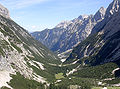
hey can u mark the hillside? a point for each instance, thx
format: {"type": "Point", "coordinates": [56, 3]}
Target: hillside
{"type": "Point", "coordinates": [102, 44]}
{"type": "Point", "coordinates": [101, 48]}
{"type": "Point", "coordinates": [21, 56]}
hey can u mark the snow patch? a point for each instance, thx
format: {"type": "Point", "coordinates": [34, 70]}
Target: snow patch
{"type": "Point", "coordinates": [63, 56]}
{"type": "Point", "coordinates": [40, 65]}
{"type": "Point", "coordinates": [4, 78]}
{"type": "Point", "coordinates": [113, 72]}
{"type": "Point", "coordinates": [99, 83]}
{"type": "Point", "coordinates": [105, 88]}
{"type": "Point", "coordinates": [47, 36]}
{"type": "Point", "coordinates": [36, 51]}
{"type": "Point", "coordinates": [58, 81]}
{"type": "Point", "coordinates": [63, 60]}
{"type": "Point", "coordinates": [72, 71]}
{"type": "Point", "coordinates": [39, 78]}
{"type": "Point", "coordinates": [32, 64]}
{"type": "Point", "coordinates": [85, 53]}
{"type": "Point", "coordinates": [117, 85]}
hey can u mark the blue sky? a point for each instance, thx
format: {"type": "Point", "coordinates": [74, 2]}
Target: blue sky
{"type": "Point", "coordinates": [36, 15]}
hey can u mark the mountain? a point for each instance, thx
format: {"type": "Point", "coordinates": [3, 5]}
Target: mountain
{"type": "Point", "coordinates": [113, 8]}
{"type": "Point", "coordinates": [50, 37]}
{"type": "Point", "coordinates": [67, 34]}
{"type": "Point", "coordinates": [77, 32]}
{"type": "Point", "coordinates": [98, 56]}
{"type": "Point", "coordinates": [103, 44]}
{"type": "Point", "coordinates": [24, 61]}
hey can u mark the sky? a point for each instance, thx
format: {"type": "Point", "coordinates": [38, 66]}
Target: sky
{"type": "Point", "coordinates": [37, 15]}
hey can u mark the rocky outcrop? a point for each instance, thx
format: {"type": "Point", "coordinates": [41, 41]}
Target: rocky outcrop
{"type": "Point", "coordinates": [4, 11]}
{"type": "Point", "coordinates": [63, 24]}
{"type": "Point", "coordinates": [100, 14]}
{"type": "Point", "coordinates": [111, 10]}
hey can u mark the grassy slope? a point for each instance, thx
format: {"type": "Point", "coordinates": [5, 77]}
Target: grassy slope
{"type": "Point", "coordinates": [90, 76]}
{"type": "Point", "coordinates": [59, 76]}
{"type": "Point", "coordinates": [97, 72]}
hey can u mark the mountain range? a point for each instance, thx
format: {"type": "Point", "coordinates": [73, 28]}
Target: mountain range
{"type": "Point", "coordinates": [68, 34]}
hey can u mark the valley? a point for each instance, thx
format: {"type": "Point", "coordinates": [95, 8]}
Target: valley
{"type": "Point", "coordinates": [83, 53]}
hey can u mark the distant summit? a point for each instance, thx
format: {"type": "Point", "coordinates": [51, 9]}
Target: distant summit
{"type": "Point", "coordinates": [63, 24]}
{"type": "Point", "coordinates": [82, 17]}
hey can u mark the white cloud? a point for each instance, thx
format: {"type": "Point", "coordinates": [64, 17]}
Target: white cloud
{"type": "Point", "coordinates": [17, 4]}
{"type": "Point", "coordinates": [34, 27]}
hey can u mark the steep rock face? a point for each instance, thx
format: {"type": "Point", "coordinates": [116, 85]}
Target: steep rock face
{"type": "Point", "coordinates": [102, 45]}
{"type": "Point", "coordinates": [21, 53]}
{"type": "Point", "coordinates": [48, 37]}
{"type": "Point", "coordinates": [4, 11]}
{"type": "Point", "coordinates": [100, 14]}
{"type": "Point", "coordinates": [68, 34]}
{"type": "Point", "coordinates": [110, 51]}
{"type": "Point", "coordinates": [112, 8]}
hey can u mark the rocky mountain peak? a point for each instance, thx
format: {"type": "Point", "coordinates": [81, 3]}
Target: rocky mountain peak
{"type": "Point", "coordinates": [113, 8]}
{"type": "Point", "coordinates": [82, 17]}
{"type": "Point", "coordinates": [102, 9]}
{"type": "Point", "coordinates": [63, 24]}
{"type": "Point", "coordinates": [4, 11]}
{"type": "Point", "coordinates": [100, 14]}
